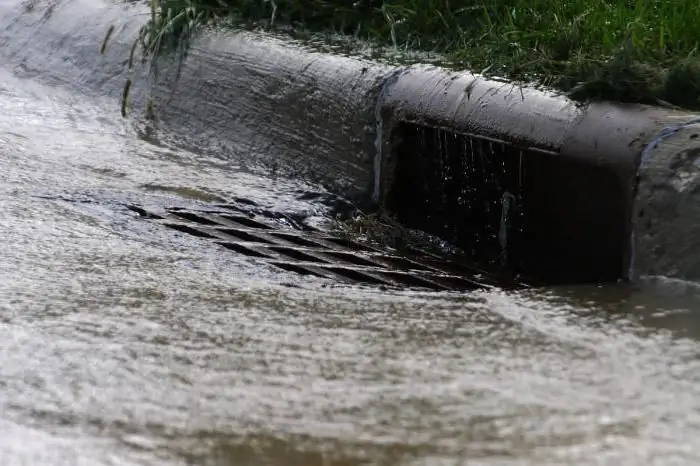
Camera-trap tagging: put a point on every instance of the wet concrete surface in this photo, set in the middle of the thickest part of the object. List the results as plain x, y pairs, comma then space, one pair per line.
126, 343
458, 145
243, 98
666, 226
249, 104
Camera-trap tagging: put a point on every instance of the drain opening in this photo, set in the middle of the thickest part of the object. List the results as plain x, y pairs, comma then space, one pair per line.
451, 185
512, 210
239, 248
457, 283
194, 218
295, 254
411, 280
350, 244
234, 207
297, 240
357, 276
243, 235
188, 229
297, 269
245, 221
451, 266
400, 262
351, 258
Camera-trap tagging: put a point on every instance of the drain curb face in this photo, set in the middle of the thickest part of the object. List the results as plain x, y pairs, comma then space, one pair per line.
320, 254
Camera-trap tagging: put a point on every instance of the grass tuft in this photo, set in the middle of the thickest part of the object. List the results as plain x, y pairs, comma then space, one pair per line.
682, 83
622, 50
170, 28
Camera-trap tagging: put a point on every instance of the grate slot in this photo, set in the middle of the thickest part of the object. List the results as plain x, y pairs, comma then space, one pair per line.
194, 218
295, 254
400, 262
240, 200
188, 229
239, 248
297, 240
300, 269
245, 221
452, 267
411, 280
419, 253
456, 283
350, 244
351, 258
243, 235
356, 275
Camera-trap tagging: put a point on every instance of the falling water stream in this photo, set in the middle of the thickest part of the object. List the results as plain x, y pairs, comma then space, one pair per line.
124, 343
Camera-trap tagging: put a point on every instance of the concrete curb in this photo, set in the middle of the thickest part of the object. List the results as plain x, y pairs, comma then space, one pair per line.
569, 173
521, 178
667, 212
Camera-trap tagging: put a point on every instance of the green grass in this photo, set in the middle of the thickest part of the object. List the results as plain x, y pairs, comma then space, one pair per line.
623, 50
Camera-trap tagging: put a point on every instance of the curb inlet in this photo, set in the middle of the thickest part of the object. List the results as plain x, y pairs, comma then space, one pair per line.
524, 210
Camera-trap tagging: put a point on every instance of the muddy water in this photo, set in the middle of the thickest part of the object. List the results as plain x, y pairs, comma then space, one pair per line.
122, 343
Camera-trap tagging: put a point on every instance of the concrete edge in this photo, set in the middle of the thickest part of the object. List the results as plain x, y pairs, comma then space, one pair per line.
588, 157
248, 95
667, 214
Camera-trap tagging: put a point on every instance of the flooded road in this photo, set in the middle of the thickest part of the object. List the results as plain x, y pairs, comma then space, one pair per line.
126, 343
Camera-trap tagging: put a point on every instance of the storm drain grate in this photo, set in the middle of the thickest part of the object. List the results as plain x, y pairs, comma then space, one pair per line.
315, 253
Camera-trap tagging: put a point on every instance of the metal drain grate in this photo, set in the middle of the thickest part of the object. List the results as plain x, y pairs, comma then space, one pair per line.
319, 254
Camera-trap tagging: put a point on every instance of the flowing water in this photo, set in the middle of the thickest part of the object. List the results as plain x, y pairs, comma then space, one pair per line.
124, 343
